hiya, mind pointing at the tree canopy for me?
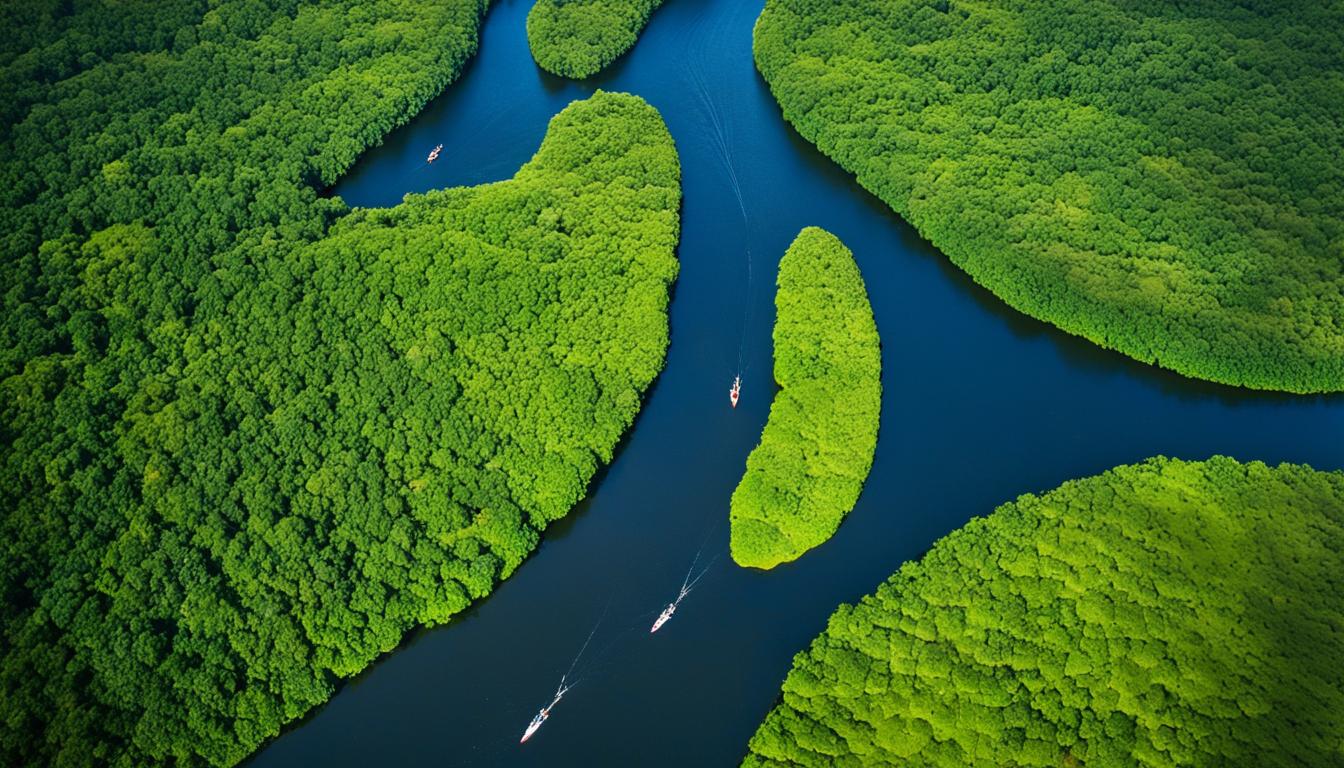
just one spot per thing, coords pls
(1160, 614)
(1160, 178)
(818, 444)
(251, 437)
(579, 38)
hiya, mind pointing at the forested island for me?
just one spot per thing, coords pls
(251, 438)
(1165, 613)
(1160, 179)
(579, 38)
(818, 444)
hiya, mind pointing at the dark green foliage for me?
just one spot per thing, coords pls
(1161, 614)
(579, 38)
(250, 440)
(1160, 178)
(818, 445)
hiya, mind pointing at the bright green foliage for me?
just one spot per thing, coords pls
(579, 38)
(1161, 178)
(1161, 614)
(250, 438)
(818, 445)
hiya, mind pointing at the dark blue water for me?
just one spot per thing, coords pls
(980, 404)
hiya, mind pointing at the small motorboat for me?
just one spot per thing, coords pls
(434, 154)
(537, 721)
(736, 391)
(535, 724)
(663, 617)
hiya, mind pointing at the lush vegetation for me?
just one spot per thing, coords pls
(1167, 613)
(818, 444)
(251, 438)
(579, 38)
(1162, 179)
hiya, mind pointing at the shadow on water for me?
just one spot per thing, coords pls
(553, 84)
(980, 403)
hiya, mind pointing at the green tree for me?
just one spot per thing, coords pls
(252, 437)
(579, 38)
(1180, 613)
(818, 445)
(1160, 179)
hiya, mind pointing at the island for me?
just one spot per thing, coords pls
(817, 447)
(1164, 613)
(579, 38)
(335, 426)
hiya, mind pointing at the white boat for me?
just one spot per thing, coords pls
(663, 617)
(736, 391)
(537, 721)
(434, 154)
(535, 724)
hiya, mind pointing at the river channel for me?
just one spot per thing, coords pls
(980, 404)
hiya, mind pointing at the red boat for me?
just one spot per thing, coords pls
(736, 391)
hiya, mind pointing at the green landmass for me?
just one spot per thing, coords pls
(250, 438)
(817, 446)
(1160, 614)
(1160, 178)
(579, 38)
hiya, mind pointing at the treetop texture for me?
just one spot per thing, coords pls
(818, 444)
(1161, 614)
(579, 38)
(1162, 179)
(250, 437)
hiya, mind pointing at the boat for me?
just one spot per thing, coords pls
(434, 154)
(663, 617)
(535, 724)
(736, 391)
(540, 719)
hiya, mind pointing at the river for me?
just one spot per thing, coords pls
(980, 404)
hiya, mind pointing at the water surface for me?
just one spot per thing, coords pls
(980, 404)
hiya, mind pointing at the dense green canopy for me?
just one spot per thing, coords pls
(579, 38)
(818, 445)
(1160, 178)
(1166, 613)
(249, 438)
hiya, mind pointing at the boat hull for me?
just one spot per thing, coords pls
(532, 729)
(662, 619)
